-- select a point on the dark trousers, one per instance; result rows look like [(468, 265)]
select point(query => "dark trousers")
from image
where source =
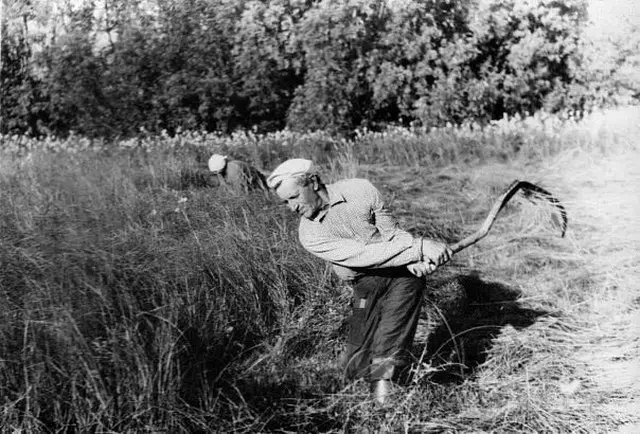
[(385, 313)]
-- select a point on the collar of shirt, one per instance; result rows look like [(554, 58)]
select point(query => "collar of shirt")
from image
[(335, 197)]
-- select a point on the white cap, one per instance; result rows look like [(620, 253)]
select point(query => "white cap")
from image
[(217, 162), (290, 169)]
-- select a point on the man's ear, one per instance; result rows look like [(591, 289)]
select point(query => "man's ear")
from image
[(316, 182)]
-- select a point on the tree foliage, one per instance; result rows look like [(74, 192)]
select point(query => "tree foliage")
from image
[(115, 67)]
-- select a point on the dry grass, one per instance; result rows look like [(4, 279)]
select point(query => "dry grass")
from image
[(127, 308)]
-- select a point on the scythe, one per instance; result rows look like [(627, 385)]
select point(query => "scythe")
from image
[(528, 189)]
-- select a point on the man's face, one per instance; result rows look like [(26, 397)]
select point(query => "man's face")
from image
[(304, 200)]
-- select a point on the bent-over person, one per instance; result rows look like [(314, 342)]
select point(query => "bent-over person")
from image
[(237, 175), (347, 224)]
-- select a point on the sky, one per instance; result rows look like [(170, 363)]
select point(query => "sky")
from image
[(613, 16)]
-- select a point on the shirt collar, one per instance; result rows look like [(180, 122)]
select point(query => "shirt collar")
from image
[(335, 197)]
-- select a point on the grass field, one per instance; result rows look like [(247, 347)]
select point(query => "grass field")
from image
[(136, 297)]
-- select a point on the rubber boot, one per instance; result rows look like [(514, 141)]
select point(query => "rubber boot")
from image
[(381, 391)]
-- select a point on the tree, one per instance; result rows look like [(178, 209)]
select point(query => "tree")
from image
[(335, 37), (526, 49), (21, 101), (267, 63)]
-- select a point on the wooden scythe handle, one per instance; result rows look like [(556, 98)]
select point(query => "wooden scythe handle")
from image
[(516, 185)]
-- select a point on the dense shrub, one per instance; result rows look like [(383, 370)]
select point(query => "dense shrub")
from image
[(110, 70)]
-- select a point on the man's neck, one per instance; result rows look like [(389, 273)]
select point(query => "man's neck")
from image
[(324, 196)]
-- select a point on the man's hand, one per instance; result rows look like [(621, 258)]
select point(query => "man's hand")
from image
[(435, 252), (420, 269)]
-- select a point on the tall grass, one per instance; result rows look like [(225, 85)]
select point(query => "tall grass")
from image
[(125, 300), (136, 298)]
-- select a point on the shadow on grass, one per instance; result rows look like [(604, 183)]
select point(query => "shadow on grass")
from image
[(465, 316), (289, 403)]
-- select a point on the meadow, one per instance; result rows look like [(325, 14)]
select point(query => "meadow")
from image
[(136, 296)]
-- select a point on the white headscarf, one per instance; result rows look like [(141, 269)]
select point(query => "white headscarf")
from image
[(217, 162), (292, 168)]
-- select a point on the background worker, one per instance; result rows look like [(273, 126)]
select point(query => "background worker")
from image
[(237, 175), (347, 224)]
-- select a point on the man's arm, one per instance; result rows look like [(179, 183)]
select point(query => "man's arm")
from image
[(350, 253)]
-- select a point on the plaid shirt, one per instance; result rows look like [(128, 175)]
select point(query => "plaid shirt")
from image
[(356, 232)]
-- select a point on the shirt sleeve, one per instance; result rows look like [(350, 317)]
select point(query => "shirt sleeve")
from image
[(401, 250)]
